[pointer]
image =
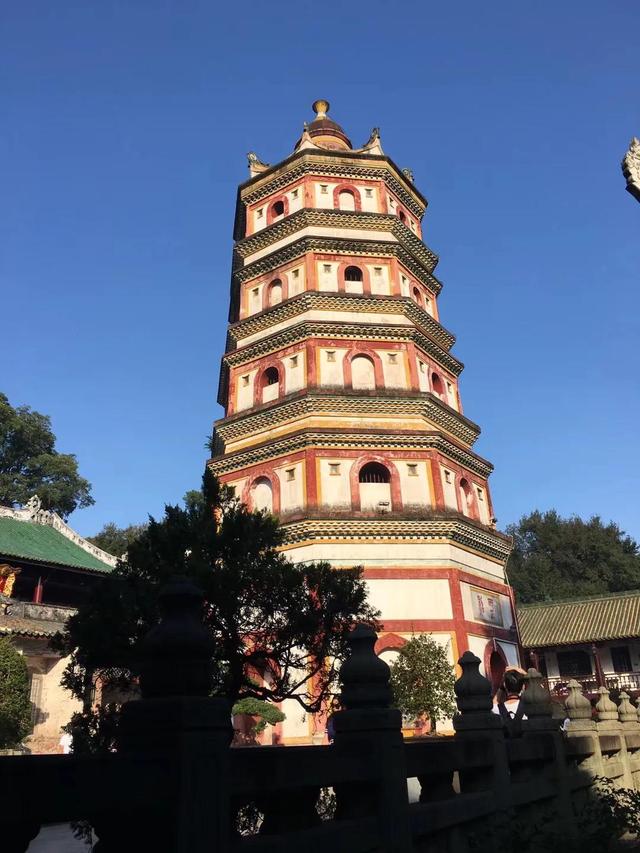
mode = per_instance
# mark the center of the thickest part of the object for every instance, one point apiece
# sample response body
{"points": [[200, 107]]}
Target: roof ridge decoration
{"points": [[631, 168], [33, 513]]}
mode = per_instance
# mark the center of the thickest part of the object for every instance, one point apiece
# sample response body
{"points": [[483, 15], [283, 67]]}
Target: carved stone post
{"points": [[537, 705], [368, 725], [612, 743], [178, 724], [631, 168]]}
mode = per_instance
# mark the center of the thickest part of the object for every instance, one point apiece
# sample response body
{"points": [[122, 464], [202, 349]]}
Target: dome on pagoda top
{"points": [[325, 132]]}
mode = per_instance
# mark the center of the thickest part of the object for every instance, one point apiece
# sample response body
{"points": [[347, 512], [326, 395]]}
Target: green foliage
{"points": [[15, 708], [115, 540], [556, 558], [422, 680], [269, 714], [30, 464], [95, 730], [264, 613]]}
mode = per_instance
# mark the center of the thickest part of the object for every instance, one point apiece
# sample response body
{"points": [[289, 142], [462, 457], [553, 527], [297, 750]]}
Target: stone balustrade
{"points": [[176, 784]]}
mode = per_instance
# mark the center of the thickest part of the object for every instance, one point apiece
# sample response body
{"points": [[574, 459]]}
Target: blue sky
{"points": [[125, 128]]}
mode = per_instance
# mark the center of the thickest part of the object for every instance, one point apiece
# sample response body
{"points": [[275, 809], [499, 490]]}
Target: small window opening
{"points": [[377, 270], [293, 361], [353, 274], [271, 376], [368, 193], [245, 380], [326, 268], [334, 469], [331, 355], [402, 217], [291, 474], [294, 193], [324, 188], [447, 476], [393, 358], [278, 208], [260, 213], [374, 472], [412, 469]]}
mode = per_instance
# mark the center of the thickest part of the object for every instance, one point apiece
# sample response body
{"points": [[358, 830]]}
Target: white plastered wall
{"points": [[295, 280], [331, 372], [244, 389], [379, 278], [334, 487], [414, 482], [448, 488], [327, 275], [291, 486], [393, 368], [294, 371], [411, 598]]}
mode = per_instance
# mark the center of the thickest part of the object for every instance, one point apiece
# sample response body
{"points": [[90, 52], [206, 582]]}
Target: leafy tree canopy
{"points": [[265, 614], [15, 708], [556, 558], [422, 680], [115, 540], [30, 464]]}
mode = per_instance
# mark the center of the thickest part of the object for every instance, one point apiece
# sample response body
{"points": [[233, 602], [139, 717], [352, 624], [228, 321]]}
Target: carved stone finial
{"points": [[627, 713], [364, 676], [536, 699], [473, 697], [320, 108], [631, 168], [408, 173], [577, 705], [175, 656], [606, 710]]}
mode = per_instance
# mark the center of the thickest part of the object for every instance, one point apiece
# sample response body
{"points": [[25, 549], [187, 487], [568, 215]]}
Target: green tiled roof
{"points": [[32, 541], [586, 620]]}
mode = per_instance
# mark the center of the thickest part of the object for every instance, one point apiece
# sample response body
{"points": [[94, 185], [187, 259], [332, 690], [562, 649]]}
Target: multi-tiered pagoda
{"points": [[342, 408]]}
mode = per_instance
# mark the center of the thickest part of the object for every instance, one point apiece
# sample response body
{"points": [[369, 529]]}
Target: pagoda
{"points": [[340, 391]]}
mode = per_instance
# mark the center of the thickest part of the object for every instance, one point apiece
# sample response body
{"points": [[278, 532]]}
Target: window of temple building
{"points": [[377, 270], [417, 295], [245, 379], [294, 193], [260, 213], [291, 473], [331, 355], [271, 376], [346, 200], [295, 273], [447, 476], [412, 469], [467, 497], [450, 388], [393, 358], [363, 375], [621, 659], [277, 209], [255, 291], [353, 274], [374, 472], [262, 495], [326, 268], [422, 366], [392, 203], [293, 361], [324, 188], [275, 292], [437, 386], [368, 192], [401, 216], [480, 493], [574, 663], [334, 469]]}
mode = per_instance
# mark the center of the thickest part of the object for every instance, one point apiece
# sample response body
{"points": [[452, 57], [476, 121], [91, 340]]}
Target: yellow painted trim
{"points": [[318, 480], [360, 541], [432, 488]]}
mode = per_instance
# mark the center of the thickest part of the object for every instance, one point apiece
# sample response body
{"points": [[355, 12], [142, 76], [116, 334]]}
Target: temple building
{"points": [[46, 570], [342, 408]]}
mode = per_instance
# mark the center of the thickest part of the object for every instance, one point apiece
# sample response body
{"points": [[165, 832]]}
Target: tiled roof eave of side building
{"points": [[614, 616], [33, 534]]}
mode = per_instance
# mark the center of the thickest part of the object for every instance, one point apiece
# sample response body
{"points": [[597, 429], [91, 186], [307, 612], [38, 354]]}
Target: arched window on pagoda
{"points": [[277, 210], [262, 495], [437, 387], [363, 375], [353, 280], [466, 497], [375, 487], [275, 292], [402, 217], [270, 384], [346, 200], [417, 296]]}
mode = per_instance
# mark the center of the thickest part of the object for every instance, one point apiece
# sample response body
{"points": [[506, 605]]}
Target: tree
{"points": [[555, 558], [115, 540], [30, 464], [15, 708], [422, 680], [266, 615]]}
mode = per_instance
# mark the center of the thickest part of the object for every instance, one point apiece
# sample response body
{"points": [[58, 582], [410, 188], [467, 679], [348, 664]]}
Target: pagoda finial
{"points": [[320, 108]]}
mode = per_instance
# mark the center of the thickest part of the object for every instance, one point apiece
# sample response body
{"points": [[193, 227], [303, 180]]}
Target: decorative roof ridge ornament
{"points": [[631, 168], [256, 165], [373, 145]]}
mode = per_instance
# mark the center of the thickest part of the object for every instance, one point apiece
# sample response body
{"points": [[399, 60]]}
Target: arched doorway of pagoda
{"points": [[495, 663]]}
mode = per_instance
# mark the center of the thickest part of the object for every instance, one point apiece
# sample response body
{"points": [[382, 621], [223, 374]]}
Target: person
{"points": [[507, 704], [331, 725]]}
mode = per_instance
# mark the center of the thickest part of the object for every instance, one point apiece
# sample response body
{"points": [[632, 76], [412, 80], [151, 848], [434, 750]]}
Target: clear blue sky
{"points": [[125, 127]]}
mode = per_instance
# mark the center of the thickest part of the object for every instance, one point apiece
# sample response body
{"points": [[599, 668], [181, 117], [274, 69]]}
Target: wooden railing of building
{"points": [[176, 784]]}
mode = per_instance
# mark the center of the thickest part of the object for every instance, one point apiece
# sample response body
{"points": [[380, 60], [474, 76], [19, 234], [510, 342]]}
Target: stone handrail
{"points": [[176, 784]]}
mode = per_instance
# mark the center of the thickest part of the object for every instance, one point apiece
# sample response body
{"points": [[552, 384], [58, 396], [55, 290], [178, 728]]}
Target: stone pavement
{"points": [[57, 838]]}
